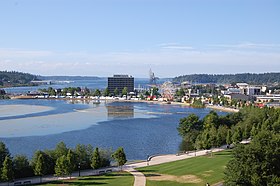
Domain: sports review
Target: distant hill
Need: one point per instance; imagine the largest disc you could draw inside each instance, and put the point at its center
(13, 78)
(68, 78)
(263, 78)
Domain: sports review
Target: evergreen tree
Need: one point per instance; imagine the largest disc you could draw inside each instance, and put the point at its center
(62, 166)
(7, 170)
(106, 92)
(60, 150)
(40, 167)
(237, 136)
(96, 160)
(4, 152)
(124, 91)
(71, 160)
(116, 92)
(22, 167)
(229, 137)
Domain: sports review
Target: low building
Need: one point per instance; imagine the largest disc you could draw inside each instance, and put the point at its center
(235, 96)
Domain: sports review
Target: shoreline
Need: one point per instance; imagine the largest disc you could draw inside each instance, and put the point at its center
(214, 107)
(221, 108)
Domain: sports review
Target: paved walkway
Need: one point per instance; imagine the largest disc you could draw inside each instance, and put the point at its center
(139, 178)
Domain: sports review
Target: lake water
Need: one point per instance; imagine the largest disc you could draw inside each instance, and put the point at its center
(141, 128)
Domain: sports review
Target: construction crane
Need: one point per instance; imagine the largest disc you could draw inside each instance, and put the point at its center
(153, 78)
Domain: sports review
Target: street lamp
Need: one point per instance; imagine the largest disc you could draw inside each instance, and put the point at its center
(79, 167)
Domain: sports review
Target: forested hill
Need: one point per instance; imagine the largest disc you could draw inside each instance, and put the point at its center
(13, 78)
(68, 78)
(264, 78)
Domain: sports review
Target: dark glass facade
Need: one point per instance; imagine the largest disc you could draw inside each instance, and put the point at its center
(121, 81)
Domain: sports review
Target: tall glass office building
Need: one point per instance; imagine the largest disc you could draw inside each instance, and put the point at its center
(121, 81)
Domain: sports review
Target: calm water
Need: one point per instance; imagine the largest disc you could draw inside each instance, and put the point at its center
(141, 128)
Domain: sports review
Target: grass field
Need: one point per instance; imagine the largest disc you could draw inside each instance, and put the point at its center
(112, 179)
(194, 171)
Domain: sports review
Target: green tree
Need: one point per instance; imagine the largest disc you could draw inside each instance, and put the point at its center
(116, 92)
(84, 154)
(62, 166)
(40, 167)
(189, 123)
(154, 91)
(72, 161)
(22, 167)
(7, 170)
(60, 150)
(106, 92)
(237, 136)
(42, 164)
(206, 141)
(119, 156)
(4, 152)
(180, 92)
(96, 160)
(211, 119)
(105, 156)
(124, 91)
(229, 137)
(97, 92)
(257, 163)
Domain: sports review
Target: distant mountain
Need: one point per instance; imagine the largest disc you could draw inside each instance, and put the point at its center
(262, 78)
(69, 78)
(13, 78)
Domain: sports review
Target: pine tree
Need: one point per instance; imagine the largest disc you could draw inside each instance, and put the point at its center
(62, 166)
(96, 160)
(7, 170)
(39, 169)
(229, 137)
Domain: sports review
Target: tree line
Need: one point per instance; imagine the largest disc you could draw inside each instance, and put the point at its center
(262, 78)
(60, 161)
(13, 78)
(257, 163)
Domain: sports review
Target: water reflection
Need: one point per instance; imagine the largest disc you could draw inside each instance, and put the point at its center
(117, 111)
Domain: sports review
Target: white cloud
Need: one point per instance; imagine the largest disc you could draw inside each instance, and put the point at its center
(247, 45)
(165, 63)
(175, 46)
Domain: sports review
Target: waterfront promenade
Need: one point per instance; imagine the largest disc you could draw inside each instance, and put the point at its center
(139, 178)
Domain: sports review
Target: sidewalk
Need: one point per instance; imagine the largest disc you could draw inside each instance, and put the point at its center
(140, 179)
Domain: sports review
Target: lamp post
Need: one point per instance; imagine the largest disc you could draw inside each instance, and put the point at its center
(79, 167)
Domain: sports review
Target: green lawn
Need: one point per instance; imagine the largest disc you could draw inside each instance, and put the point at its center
(194, 171)
(112, 179)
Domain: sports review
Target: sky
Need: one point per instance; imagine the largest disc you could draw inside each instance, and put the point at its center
(172, 37)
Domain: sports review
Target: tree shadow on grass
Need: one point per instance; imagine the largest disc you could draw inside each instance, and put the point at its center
(84, 183)
(118, 175)
(146, 170)
(95, 178)
(151, 174)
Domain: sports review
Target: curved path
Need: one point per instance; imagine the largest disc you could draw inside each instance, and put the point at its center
(139, 178)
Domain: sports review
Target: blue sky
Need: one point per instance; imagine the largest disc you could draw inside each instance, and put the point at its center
(106, 37)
